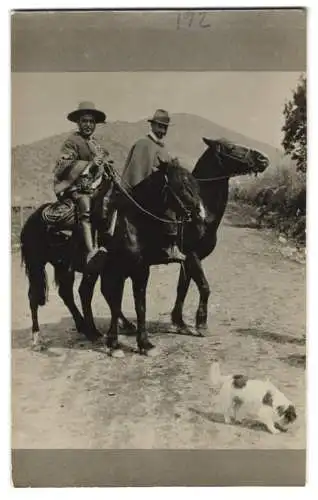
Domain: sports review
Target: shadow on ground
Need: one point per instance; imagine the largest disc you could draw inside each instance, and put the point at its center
(297, 360)
(57, 334)
(63, 334)
(271, 336)
(243, 225)
(219, 419)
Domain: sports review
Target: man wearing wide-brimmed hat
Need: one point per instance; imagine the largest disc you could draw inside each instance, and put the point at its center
(144, 159)
(79, 170)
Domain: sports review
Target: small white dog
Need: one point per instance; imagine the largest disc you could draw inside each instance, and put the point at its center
(241, 397)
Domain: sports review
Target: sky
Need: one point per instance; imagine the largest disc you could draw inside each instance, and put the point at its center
(248, 102)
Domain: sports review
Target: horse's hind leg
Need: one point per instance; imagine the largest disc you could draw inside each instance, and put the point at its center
(65, 281)
(37, 341)
(37, 297)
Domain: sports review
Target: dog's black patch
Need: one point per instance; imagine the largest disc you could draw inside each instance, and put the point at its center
(268, 399)
(237, 401)
(280, 410)
(239, 381)
(290, 413)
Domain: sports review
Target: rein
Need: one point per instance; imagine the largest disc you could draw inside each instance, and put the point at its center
(211, 179)
(114, 173)
(140, 207)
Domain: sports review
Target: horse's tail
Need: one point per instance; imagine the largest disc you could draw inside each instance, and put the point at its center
(32, 240)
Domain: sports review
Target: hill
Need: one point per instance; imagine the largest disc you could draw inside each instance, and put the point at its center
(32, 164)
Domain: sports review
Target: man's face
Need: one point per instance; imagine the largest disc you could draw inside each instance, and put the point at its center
(159, 129)
(86, 125)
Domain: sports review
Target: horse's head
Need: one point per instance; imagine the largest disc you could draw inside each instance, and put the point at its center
(182, 190)
(226, 159)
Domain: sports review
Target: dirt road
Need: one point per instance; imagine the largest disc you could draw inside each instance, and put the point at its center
(75, 397)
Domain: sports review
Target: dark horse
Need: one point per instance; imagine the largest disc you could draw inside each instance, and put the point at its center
(134, 246)
(219, 162)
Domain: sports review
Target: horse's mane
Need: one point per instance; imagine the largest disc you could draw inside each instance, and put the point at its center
(179, 175)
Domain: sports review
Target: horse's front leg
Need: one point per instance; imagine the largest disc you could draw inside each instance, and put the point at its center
(86, 290)
(139, 284)
(65, 281)
(182, 290)
(112, 287)
(198, 276)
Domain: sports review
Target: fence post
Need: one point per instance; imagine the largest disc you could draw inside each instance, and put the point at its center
(21, 216)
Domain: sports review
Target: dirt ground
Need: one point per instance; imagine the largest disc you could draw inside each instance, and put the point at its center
(74, 396)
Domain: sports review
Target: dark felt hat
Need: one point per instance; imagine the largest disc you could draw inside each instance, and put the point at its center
(160, 116)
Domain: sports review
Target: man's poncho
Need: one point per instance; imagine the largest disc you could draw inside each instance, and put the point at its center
(77, 153)
(143, 160)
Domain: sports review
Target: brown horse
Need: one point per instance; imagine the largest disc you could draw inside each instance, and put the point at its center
(136, 243)
(219, 162)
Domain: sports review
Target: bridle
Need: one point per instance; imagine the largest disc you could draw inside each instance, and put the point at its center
(246, 159)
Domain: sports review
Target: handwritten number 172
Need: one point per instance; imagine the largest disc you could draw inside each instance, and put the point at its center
(189, 19)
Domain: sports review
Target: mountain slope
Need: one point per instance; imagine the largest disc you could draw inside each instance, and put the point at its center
(32, 164)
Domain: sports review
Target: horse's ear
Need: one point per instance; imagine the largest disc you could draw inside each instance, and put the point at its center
(208, 142)
(163, 164)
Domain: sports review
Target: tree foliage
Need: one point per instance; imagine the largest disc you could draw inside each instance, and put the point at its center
(295, 126)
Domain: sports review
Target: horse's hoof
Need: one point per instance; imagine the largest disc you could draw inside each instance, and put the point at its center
(127, 326)
(93, 336)
(177, 322)
(186, 330)
(39, 347)
(80, 326)
(178, 327)
(182, 329)
(201, 329)
(200, 333)
(117, 353)
(174, 327)
(152, 353)
(98, 342)
(146, 348)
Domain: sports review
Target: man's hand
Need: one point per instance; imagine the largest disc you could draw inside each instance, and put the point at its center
(108, 167)
(99, 160)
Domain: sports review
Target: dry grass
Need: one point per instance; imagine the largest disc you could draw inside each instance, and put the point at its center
(280, 197)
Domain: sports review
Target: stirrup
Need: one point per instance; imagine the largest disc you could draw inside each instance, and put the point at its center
(174, 255)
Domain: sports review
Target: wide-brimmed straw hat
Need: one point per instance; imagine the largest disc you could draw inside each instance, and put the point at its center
(160, 116)
(87, 107)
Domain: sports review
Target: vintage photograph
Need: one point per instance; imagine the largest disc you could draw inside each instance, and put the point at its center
(158, 208)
